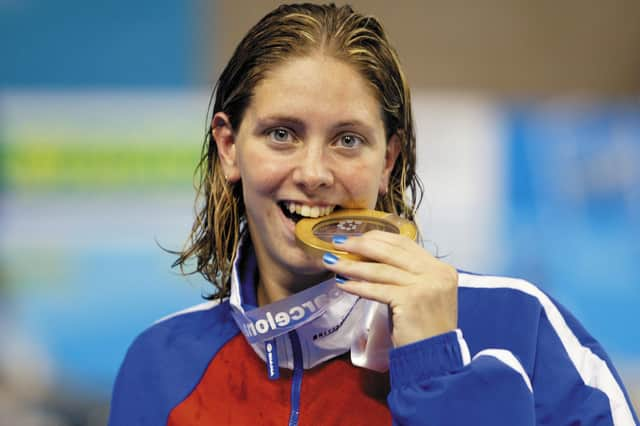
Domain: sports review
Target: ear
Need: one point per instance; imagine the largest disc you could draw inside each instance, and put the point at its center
(390, 157)
(224, 138)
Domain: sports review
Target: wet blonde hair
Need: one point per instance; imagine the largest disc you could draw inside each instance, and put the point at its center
(294, 31)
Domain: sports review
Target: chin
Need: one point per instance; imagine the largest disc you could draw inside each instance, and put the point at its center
(301, 263)
(305, 264)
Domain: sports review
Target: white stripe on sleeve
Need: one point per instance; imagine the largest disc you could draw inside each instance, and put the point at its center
(506, 357)
(592, 369)
(464, 348)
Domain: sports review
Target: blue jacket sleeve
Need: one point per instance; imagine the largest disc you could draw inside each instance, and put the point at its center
(430, 385)
(573, 379)
(569, 381)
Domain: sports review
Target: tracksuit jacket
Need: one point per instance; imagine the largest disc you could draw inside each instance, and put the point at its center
(518, 358)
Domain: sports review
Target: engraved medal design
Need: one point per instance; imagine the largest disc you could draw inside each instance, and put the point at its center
(315, 234)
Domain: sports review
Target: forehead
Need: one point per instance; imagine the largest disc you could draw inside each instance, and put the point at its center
(318, 86)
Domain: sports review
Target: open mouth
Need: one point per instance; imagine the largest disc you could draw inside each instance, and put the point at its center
(295, 211)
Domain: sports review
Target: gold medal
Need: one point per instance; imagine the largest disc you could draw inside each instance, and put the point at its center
(315, 234)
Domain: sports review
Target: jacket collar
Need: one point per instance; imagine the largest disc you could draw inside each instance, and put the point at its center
(344, 324)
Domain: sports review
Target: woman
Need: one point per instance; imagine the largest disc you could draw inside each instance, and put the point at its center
(313, 114)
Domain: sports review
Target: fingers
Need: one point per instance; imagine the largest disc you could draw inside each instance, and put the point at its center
(366, 271)
(420, 290)
(387, 248)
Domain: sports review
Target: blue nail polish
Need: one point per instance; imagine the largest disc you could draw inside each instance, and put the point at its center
(340, 279)
(329, 258)
(339, 239)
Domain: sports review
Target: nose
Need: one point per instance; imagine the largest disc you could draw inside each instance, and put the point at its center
(312, 170)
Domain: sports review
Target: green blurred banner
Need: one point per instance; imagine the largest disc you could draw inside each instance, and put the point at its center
(76, 166)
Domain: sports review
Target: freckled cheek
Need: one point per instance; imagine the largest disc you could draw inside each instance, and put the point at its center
(262, 175)
(362, 182)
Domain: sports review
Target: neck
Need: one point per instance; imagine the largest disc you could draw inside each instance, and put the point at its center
(277, 286)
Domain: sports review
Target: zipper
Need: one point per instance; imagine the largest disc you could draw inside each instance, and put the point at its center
(296, 382)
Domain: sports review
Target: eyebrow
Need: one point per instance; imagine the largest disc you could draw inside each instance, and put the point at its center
(352, 123)
(280, 119)
(296, 122)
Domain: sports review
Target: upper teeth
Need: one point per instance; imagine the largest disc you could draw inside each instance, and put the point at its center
(309, 211)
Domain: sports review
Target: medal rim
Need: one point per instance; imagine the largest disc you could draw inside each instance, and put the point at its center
(317, 247)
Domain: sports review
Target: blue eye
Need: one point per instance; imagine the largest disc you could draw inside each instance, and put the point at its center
(280, 135)
(350, 141)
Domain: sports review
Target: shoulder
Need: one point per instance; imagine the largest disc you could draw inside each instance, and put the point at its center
(515, 294)
(187, 327)
(167, 360)
(500, 297)
(519, 298)
(516, 286)
(513, 314)
(182, 335)
(500, 312)
(520, 301)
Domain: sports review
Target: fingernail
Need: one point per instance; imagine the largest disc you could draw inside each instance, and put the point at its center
(329, 258)
(339, 239)
(340, 279)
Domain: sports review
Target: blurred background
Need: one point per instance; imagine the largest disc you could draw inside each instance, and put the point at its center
(528, 120)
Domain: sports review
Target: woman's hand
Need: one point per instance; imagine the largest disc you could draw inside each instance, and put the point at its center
(421, 291)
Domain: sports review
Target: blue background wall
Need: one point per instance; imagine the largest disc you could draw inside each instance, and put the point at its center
(72, 43)
(574, 212)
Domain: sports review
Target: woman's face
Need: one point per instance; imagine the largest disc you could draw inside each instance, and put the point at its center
(311, 140)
